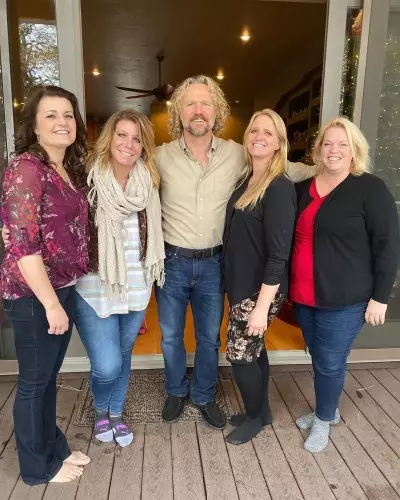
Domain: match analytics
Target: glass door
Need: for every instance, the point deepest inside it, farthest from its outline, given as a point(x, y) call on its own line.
point(380, 121)
point(39, 43)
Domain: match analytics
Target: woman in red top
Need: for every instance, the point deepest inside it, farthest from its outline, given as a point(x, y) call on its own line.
point(46, 213)
point(344, 263)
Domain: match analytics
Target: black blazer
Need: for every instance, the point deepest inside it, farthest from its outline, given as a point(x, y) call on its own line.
point(356, 241)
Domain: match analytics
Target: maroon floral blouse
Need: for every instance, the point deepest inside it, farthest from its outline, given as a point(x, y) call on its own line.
point(45, 216)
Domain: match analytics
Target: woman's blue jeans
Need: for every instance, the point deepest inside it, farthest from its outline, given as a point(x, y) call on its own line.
point(108, 343)
point(41, 445)
point(329, 335)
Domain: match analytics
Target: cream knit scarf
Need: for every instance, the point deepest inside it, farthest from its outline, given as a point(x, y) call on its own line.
point(113, 208)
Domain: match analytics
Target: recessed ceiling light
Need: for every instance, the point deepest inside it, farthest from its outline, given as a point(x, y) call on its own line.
point(245, 36)
point(220, 75)
point(237, 102)
point(95, 71)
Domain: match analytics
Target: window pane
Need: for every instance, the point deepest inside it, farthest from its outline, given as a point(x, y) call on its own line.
point(38, 54)
point(350, 61)
point(387, 150)
point(34, 51)
point(3, 137)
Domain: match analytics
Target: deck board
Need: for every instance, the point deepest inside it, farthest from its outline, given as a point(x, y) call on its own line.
point(335, 470)
point(157, 463)
point(188, 460)
point(246, 468)
point(304, 467)
point(353, 452)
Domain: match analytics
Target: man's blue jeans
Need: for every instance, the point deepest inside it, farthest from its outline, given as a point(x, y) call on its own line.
point(108, 343)
point(329, 335)
point(198, 282)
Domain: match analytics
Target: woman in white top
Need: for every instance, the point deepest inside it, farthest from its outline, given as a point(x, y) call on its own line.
point(126, 256)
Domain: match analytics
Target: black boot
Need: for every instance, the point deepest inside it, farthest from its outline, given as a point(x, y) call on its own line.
point(265, 413)
point(247, 430)
point(266, 417)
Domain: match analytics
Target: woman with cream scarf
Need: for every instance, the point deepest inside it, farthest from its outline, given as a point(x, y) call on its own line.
point(126, 257)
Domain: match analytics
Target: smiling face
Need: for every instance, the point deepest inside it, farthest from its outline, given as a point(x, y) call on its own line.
point(55, 123)
point(198, 110)
point(126, 145)
point(262, 140)
point(335, 151)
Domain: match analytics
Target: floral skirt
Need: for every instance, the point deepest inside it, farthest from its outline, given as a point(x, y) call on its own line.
point(241, 347)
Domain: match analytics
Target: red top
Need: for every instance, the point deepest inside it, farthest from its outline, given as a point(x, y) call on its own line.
point(302, 266)
point(45, 216)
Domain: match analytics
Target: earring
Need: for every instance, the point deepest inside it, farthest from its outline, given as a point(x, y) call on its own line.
point(37, 138)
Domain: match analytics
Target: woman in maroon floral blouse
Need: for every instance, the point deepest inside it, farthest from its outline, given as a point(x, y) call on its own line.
point(46, 211)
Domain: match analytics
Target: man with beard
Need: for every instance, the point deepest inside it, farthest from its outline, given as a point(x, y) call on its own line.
point(199, 172)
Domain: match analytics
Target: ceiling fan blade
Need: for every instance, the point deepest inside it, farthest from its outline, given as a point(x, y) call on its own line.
point(129, 89)
point(137, 96)
point(164, 92)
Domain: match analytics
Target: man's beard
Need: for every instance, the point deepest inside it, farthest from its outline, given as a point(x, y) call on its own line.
point(198, 132)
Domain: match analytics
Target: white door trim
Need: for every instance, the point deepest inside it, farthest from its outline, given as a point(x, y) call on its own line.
point(6, 77)
point(70, 52)
point(276, 358)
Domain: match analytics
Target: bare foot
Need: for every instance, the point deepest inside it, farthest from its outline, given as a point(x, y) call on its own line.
point(67, 473)
point(77, 458)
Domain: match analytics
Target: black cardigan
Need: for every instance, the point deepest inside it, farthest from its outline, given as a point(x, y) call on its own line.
point(356, 241)
point(257, 242)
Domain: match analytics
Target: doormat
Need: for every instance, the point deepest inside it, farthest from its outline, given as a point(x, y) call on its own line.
point(145, 401)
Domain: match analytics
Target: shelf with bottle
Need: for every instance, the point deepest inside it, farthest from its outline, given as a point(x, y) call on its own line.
point(315, 102)
point(299, 104)
point(302, 115)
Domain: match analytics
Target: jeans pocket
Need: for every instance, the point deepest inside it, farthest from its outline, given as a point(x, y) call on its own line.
point(22, 308)
point(217, 258)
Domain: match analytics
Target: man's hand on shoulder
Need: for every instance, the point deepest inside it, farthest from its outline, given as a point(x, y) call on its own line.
point(300, 171)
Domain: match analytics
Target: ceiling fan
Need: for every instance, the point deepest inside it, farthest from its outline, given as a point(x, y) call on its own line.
point(161, 93)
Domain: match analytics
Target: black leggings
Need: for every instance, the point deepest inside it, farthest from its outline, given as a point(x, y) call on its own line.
point(252, 380)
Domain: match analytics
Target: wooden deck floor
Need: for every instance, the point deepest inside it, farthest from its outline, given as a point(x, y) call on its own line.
point(192, 461)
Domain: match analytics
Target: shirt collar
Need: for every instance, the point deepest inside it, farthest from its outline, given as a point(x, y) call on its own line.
point(214, 146)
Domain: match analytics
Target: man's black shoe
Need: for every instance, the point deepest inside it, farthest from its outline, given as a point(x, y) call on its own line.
point(173, 408)
point(212, 415)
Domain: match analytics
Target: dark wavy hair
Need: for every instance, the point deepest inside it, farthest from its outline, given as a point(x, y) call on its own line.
point(26, 141)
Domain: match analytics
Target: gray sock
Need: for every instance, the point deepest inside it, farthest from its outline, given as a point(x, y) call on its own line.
point(319, 436)
point(122, 433)
point(306, 421)
point(102, 427)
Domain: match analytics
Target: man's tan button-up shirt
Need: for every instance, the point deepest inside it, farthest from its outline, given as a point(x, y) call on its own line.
point(194, 197)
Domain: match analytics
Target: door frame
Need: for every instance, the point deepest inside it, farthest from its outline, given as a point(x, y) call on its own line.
point(69, 29)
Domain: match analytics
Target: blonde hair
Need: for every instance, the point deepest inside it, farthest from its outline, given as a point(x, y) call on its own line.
point(361, 163)
point(217, 95)
point(274, 169)
point(101, 151)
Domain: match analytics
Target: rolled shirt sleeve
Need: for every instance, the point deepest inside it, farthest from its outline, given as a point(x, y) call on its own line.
point(299, 171)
